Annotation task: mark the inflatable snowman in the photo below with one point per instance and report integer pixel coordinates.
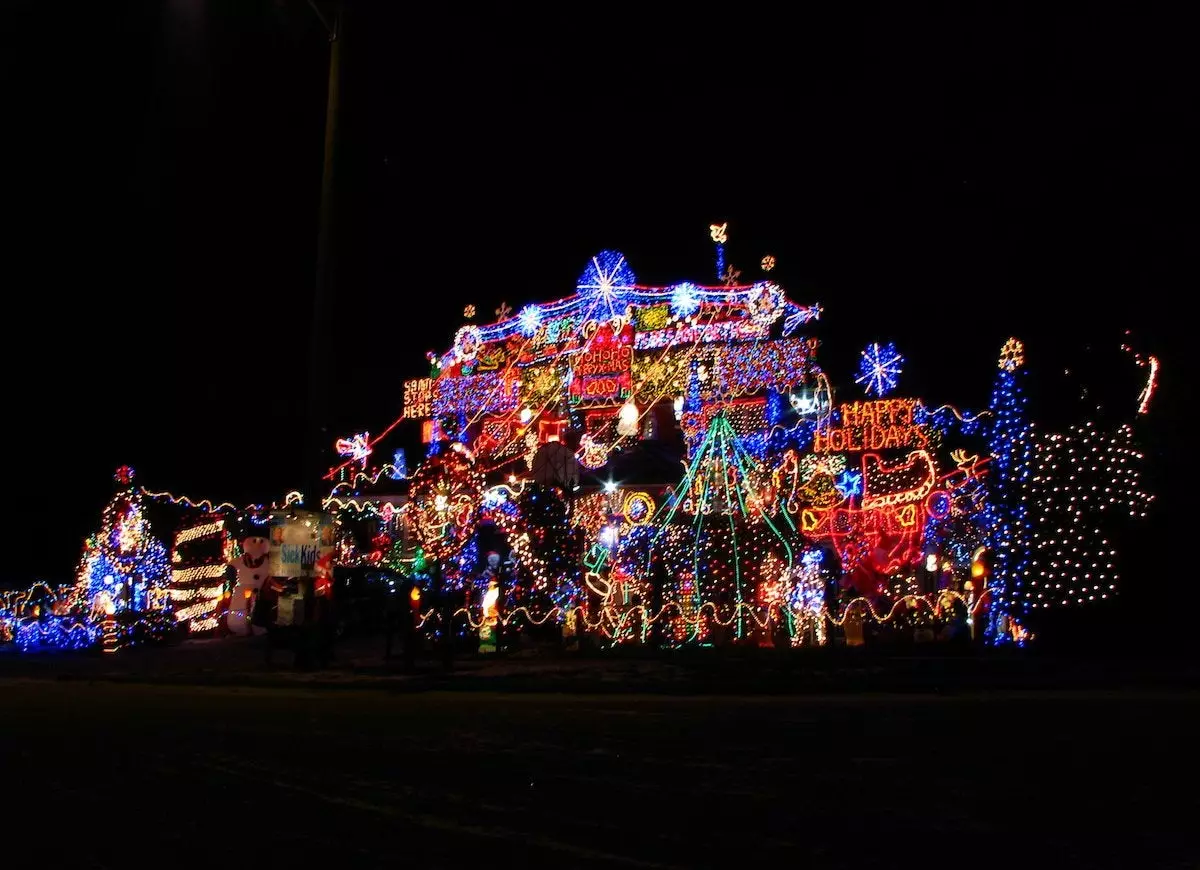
(253, 570)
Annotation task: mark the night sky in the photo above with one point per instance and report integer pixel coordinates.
(943, 183)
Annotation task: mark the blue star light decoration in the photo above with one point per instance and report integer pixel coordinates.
(606, 284)
(849, 483)
(879, 369)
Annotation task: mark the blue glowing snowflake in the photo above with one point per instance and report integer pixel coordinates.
(530, 318)
(879, 369)
(685, 299)
(606, 284)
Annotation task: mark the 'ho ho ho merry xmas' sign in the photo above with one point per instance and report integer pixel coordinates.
(603, 372)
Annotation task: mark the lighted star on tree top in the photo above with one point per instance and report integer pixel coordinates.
(1012, 355)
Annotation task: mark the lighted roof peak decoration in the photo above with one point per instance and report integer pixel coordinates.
(608, 287)
(607, 283)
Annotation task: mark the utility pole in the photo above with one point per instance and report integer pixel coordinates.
(315, 442)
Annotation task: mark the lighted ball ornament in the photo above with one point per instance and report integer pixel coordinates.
(638, 508)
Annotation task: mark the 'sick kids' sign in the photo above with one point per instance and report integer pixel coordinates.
(879, 425)
(299, 540)
(603, 371)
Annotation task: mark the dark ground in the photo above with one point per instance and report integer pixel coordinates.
(105, 761)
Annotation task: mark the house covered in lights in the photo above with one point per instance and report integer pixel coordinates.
(715, 481)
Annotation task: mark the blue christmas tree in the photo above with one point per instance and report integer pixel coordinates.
(1010, 440)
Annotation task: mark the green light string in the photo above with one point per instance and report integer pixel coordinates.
(685, 486)
(737, 562)
(778, 534)
(697, 597)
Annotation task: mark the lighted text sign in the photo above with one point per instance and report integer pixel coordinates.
(418, 398)
(881, 425)
(603, 373)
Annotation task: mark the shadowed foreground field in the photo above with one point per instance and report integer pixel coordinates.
(99, 773)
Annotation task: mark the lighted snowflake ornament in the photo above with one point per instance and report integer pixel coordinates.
(685, 299)
(768, 263)
(530, 319)
(879, 369)
(606, 284)
(1012, 355)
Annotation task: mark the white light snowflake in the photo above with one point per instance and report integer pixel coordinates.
(879, 369)
(606, 282)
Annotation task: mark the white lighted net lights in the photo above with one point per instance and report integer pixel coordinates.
(1083, 482)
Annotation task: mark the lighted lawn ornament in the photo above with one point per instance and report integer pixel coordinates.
(491, 616)
(252, 570)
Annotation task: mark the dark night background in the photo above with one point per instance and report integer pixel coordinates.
(941, 182)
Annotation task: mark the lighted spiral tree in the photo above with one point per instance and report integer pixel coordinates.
(724, 550)
(124, 568)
